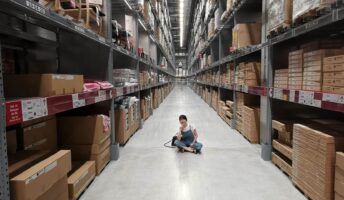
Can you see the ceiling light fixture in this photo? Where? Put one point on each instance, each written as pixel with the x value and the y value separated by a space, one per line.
pixel 181 21
pixel 128 4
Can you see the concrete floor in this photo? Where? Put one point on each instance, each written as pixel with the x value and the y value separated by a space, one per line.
pixel 228 168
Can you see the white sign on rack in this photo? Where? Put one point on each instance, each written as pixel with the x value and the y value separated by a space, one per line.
pixel 101 96
pixel 334 98
pixel 34 108
pixel 307 98
pixel 292 95
pixel 77 103
pixel 278 93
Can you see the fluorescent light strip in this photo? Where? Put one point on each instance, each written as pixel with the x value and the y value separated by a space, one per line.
pixel 181 21
pixel 128 4
pixel 142 25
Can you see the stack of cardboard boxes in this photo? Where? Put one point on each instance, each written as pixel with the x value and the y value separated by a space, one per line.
pixel 295 70
pixel 145 78
pixel 37 140
pixel 214 99
pixel 46 180
pixel 146 107
pixel 127 121
pixel 227 75
pixel 94 143
pixel 281 78
pixel 248 74
pixel 339 177
pixel 314 148
pixel 239 111
pixel 279 14
pixel 42 85
pixel 313 68
pixel 251 122
pixel 245 35
pixel 333 77
pixel 226 111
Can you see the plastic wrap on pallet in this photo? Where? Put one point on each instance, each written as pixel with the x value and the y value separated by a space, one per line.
pixel 301 7
pixel 279 12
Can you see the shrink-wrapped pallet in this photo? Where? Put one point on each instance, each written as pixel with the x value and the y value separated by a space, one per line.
pixel 279 14
pixel 302 7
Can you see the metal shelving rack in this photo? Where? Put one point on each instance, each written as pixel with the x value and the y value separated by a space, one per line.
pixel 100 66
pixel 323 101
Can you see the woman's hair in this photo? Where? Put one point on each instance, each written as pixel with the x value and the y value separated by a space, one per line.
pixel 183 117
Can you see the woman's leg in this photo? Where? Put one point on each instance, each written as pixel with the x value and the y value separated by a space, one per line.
pixel 197 146
pixel 182 145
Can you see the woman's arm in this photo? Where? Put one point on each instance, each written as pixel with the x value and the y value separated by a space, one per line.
pixel 195 136
pixel 179 134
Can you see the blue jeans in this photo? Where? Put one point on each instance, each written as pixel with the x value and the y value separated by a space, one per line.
pixel 181 145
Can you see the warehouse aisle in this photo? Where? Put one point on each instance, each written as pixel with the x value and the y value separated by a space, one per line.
pixel 228 168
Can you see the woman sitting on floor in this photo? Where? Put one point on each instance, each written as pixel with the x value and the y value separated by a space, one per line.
pixel 187 137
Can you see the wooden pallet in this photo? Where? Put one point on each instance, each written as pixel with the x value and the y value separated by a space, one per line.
pixel 281 28
pixel 300 190
pixel 311 14
pixel 284 149
pixel 284 130
pixel 281 162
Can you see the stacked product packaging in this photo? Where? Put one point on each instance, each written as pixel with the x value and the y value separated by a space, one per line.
pixel 124 77
pixel 245 35
pixel 127 118
pixel 281 78
pixel 226 111
pixel 248 74
pixel 279 14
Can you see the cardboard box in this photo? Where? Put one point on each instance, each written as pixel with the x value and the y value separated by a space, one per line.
pixel 101 160
pixel 41 136
pixel 22 160
pixel 11 137
pixel 85 152
pixel 333 67
pixel 340 160
pixel 59 191
pixel 80 179
pixel 84 130
pixel 38 179
pixel 246 34
pixel 339 181
pixel 334 60
pixel 338 197
pixel 34 85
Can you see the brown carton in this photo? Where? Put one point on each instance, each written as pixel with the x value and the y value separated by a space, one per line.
pixel 85 152
pixel 20 161
pixel 38 179
pixel 11 137
pixel 33 85
pixel 246 34
pixel 59 191
pixel 101 160
pixel 41 136
pixel 83 130
pixel 80 179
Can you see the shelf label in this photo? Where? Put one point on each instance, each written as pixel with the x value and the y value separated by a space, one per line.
pixel 35 7
pixel 307 98
pixel 13 113
pixel 77 103
pixel 244 88
pixel 79 29
pixel 34 108
pixel 101 96
pixel 292 96
pixel 334 98
pixel 278 93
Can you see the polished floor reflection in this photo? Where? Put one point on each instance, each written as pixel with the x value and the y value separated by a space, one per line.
pixel 228 168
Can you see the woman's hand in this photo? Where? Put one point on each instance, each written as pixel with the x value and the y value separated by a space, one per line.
pixel 179 135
